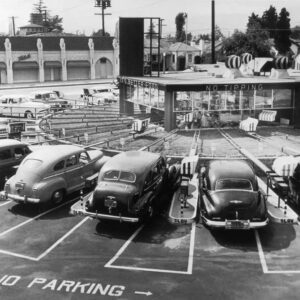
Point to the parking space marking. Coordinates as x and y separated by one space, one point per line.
18 255
62 238
32 219
5 203
126 244
264 262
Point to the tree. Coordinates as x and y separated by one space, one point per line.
282 37
269 21
218 33
99 33
180 32
53 24
39 7
295 32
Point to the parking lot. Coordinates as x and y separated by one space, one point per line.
48 253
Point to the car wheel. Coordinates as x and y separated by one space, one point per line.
57 196
28 115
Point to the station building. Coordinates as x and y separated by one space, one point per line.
57 58
222 99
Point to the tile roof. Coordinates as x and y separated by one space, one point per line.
51 43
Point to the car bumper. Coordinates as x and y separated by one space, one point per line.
18 199
234 224
83 212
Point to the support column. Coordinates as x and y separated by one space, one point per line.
125 106
296 101
64 74
39 45
170 116
9 64
92 59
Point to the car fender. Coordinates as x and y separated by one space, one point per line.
50 185
100 162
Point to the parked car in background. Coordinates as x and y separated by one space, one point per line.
103 94
22 106
52 172
130 187
12 152
230 197
53 98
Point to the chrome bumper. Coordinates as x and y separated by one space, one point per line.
82 212
18 199
223 224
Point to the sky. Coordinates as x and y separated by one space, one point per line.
79 15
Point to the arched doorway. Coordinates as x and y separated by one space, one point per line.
180 63
104 68
25 71
3 76
52 70
78 70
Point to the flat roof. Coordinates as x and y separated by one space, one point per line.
191 80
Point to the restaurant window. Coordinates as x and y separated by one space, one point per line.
282 98
201 100
264 99
182 102
232 100
247 100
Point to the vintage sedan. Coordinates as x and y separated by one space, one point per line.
230 197
12 152
51 172
22 106
130 187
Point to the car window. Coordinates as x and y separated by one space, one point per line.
234 183
59 166
5 154
127 177
19 152
71 161
31 164
84 158
116 175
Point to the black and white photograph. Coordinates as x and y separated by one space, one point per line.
149 149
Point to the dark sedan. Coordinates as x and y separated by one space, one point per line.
230 196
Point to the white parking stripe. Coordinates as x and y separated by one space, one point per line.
122 249
5 203
32 219
18 255
261 253
62 238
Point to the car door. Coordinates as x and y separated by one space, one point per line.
73 173
86 165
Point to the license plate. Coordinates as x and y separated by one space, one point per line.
110 203
237 224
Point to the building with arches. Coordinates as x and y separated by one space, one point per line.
57 58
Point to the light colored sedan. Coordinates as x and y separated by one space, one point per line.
21 106
51 172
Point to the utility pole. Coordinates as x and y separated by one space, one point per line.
213 32
13 24
103 4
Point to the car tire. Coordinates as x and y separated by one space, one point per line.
57 196
28 115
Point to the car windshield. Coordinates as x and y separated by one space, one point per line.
234 184
116 175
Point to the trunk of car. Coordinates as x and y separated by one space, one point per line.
237 204
113 198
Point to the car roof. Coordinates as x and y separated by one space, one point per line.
53 153
10 142
219 169
132 161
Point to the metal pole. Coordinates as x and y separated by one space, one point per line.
103 28
213 31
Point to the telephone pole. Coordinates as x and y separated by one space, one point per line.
13 24
213 59
103 4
